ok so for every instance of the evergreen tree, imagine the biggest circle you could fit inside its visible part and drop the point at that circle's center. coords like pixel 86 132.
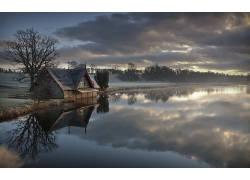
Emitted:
pixel 103 104
pixel 102 78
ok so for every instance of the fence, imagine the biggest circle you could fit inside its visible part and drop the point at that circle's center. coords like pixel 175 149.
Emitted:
pixel 20 96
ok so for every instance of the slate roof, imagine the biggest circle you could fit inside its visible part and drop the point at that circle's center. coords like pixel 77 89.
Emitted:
pixel 96 86
pixel 73 118
pixel 55 119
pixel 70 118
pixel 69 79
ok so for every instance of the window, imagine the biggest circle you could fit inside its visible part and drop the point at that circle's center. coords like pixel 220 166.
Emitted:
pixel 82 83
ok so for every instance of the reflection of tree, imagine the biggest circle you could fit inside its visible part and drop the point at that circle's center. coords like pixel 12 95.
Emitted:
pixel 29 139
pixel 157 95
pixel 164 95
pixel 103 104
pixel 154 95
pixel 184 92
pixel 131 98
pixel 248 90
pixel 115 97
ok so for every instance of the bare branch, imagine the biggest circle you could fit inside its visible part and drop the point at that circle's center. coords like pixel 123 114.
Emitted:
pixel 31 50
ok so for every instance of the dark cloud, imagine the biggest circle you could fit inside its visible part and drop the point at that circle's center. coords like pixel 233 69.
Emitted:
pixel 144 36
pixel 161 58
pixel 238 37
pixel 179 40
pixel 241 65
pixel 128 27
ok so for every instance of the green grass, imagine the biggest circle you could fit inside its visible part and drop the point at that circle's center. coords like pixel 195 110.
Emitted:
pixel 7 103
pixel 6 79
pixel 8 86
pixel 4 92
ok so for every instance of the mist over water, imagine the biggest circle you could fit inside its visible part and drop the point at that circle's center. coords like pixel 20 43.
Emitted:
pixel 188 127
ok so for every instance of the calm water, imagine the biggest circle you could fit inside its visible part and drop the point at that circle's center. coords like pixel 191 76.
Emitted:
pixel 195 127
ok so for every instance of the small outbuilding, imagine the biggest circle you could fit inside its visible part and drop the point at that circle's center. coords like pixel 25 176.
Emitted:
pixel 69 84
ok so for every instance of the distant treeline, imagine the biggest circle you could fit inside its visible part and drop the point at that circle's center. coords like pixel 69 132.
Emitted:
pixel 164 73
pixel 2 70
pixel 157 73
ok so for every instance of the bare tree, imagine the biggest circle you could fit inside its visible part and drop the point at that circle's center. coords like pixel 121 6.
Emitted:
pixel 131 68
pixel 114 66
pixel 32 51
pixel 72 64
pixel 75 65
pixel 93 67
pixel 29 139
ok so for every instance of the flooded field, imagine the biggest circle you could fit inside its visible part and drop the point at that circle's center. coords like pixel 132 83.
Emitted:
pixel 189 127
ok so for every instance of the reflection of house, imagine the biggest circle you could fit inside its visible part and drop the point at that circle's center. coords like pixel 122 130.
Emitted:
pixel 65 83
pixel 53 120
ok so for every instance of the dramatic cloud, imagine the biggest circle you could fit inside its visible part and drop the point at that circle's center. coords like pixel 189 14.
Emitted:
pixel 163 38
pixel 197 41
pixel 9 159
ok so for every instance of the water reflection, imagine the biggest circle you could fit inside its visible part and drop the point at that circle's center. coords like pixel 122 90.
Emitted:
pixel 103 104
pixel 131 98
pixel 37 132
pixel 152 95
pixel 164 95
pixel 53 120
pixel 205 124
pixel 248 90
pixel 29 139
pixel 115 97
pixel 151 128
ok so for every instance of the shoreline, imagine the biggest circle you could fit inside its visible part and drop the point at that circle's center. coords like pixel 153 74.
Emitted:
pixel 174 85
pixel 15 112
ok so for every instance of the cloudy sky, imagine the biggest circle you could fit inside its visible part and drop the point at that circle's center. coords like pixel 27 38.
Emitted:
pixel 201 41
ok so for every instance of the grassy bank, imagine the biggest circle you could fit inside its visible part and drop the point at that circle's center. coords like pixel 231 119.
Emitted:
pixel 25 108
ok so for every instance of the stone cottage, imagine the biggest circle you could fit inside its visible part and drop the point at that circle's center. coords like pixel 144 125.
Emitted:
pixel 69 84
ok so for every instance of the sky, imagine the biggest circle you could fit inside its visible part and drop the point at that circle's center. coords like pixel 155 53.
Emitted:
pixel 200 41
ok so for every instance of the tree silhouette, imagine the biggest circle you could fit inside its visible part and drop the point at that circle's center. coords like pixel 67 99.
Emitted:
pixel 163 73
pixel 103 104
pixel 102 78
pixel 131 98
pixel 248 90
pixel 29 139
pixel 32 51
pixel 115 97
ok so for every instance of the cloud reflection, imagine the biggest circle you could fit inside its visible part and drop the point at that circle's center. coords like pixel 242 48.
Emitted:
pixel 213 127
pixel 9 159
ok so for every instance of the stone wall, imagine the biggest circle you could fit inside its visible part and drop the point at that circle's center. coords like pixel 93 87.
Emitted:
pixel 73 95
pixel 47 88
pixel 56 91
